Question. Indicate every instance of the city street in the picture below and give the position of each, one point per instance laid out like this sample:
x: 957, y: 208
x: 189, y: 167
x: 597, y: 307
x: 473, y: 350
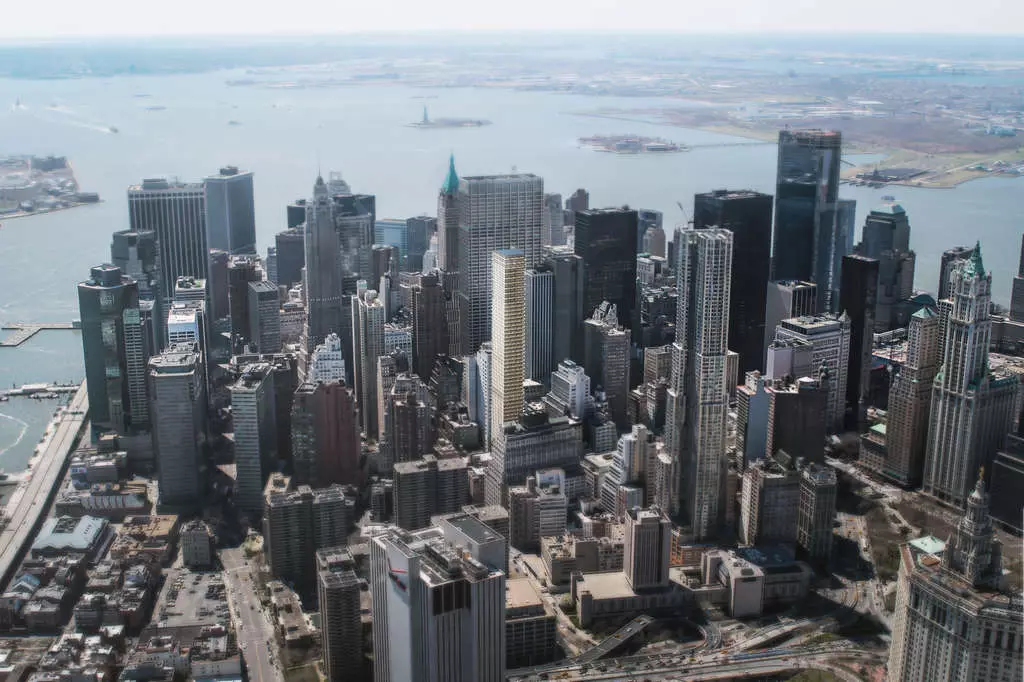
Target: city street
x: 252, y: 624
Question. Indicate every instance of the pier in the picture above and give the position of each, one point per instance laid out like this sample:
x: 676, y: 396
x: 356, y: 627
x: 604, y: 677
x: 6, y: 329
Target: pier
x: 28, y: 505
x: 23, y: 331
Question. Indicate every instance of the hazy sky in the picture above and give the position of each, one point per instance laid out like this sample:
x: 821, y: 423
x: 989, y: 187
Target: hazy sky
x: 59, y: 18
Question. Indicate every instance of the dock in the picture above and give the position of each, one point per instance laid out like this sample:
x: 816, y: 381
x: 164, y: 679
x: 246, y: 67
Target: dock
x: 28, y: 505
x: 23, y: 331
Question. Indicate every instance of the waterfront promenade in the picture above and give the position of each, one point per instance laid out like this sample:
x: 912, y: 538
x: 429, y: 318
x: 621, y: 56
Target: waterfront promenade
x: 28, y: 505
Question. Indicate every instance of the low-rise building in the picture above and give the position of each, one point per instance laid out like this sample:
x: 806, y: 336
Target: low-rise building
x: 197, y: 550
x: 566, y: 554
x: 530, y: 626
x: 62, y: 535
x: 754, y: 580
x: 155, y: 536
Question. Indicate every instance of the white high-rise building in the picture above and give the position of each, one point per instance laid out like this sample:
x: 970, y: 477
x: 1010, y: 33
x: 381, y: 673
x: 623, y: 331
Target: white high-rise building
x: 495, y: 212
x: 570, y: 391
x: 698, y: 401
x: 177, y: 394
x: 829, y: 336
x: 327, y: 362
x: 508, y: 328
x: 628, y: 466
x: 439, y: 603
x: 367, y: 346
x: 540, y: 292
x: 972, y: 409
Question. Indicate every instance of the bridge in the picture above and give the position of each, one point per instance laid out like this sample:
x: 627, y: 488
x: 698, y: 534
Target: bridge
x: 615, y: 640
x: 23, y: 331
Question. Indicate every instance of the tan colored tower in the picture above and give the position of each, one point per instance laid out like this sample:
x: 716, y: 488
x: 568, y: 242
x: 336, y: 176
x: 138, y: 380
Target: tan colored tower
x: 508, y: 337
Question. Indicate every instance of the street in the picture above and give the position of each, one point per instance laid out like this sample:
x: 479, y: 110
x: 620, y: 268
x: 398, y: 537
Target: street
x: 252, y: 625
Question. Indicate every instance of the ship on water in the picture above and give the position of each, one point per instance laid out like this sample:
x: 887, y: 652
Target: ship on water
x: 631, y: 144
x: 427, y: 122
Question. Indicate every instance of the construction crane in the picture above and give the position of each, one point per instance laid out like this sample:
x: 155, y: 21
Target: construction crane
x: 686, y: 215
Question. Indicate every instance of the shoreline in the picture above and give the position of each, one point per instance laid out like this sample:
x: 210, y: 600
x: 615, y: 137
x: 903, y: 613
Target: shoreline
x: 44, y: 211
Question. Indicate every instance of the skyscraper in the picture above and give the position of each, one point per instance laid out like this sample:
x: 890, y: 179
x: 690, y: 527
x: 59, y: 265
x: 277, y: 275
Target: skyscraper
x: 264, y: 317
x: 787, y: 299
x: 418, y: 232
x: 508, y: 331
x: 910, y: 396
x: 291, y: 255
x: 553, y: 231
x: 495, y: 212
x: 253, y: 412
x: 568, y: 306
x: 606, y: 241
x: 241, y: 271
x: 949, y: 259
x: 341, y: 628
x: 429, y: 328
x: 857, y: 298
x: 829, y: 338
x: 807, y: 191
x: 606, y: 360
x: 646, y: 551
x: 176, y: 214
x: 409, y: 432
x: 230, y: 211
x: 972, y: 410
x: 114, y: 347
x: 1017, y: 294
x: 367, y: 345
x: 698, y: 401
x: 771, y: 497
x: 886, y: 238
x: 535, y: 441
x: 177, y: 394
x: 540, y: 321
x: 439, y: 614
x: 817, y: 512
x: 748, y: 215
x: 448, y: 221
x: 136, y: 254
x: 325, y: 435
x: 428, y: 486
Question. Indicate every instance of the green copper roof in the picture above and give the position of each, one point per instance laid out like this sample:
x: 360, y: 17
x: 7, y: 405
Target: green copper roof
x: 975, y: 266
x: 925, y: 312
x: 451, y: 182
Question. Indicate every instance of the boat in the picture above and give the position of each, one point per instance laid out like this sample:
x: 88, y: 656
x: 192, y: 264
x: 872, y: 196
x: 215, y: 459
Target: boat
x: 234, y: 123
x: 113, y: 129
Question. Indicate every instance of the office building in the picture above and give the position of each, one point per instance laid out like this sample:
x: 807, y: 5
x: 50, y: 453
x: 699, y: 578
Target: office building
x: 910, y: 396
x: 698, y: 399
x: 507, y: 338
x: 271, y: 264
x: 297, y: 521
x: 857, y: 299
x: 439, y: 612
x: 217, y: 282
x: 477, y: 390
x: 325, y: 435
x: 535, y: 441
x: 114, y: 348
x: 388, y: 368
x: 570, y: 392
x: 177, y: 399
x: 264, y: 317
x: 798, y: 423
x: 327, y: 362
x: 606, y: 355
x: 429, y: 486
x: 530, y: 624
x: 972, y: 410
x: 136, y: 254
x: 886, y: 238
x: 949, y: 259
x: 646, y: 219
x: 176, y: 214
x: 448, y: 222
x: 748, y: 215
x: 577, y: 201
x: 498, y: 212
x: 536, y: 510
x: 829, y: 338
x: 291, y: 254
x: 391, y: 232
x: 1017, y: 293
x: 952, y: 618
x: 787, y: 299
x: 646, y: 560
x: 408, y: 422
x: 253, y: 412
x: 242, y: 271
x: 540, y: 323
x: 429, y: 328
x: 339, y: 597
x: 367, y: 345
x: 568, y: 306
x: 230, y: 211
x: 606, y: 241
x: 1007, y: 482
x: 771, y: 497
x: 816, y: 513
x: 418, y: 232
x: 807, y: 192
x: 553, y: 221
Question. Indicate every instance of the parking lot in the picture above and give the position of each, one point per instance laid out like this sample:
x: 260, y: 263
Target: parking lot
x: 192, y: 598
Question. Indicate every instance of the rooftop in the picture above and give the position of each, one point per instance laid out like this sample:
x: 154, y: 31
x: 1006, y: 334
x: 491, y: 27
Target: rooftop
x: 521, y: 593
x: 473, y: 528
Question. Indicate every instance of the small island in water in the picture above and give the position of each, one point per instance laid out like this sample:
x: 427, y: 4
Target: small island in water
x: 35, y: 184
x: 427, y: 122
x: 631, y: 144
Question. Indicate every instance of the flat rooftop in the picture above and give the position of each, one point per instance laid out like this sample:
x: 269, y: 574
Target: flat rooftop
x: 521, y: 593
x: 474, y: 529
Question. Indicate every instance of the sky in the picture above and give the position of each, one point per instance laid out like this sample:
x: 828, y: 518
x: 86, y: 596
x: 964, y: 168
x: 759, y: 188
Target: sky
x: 35, y: 19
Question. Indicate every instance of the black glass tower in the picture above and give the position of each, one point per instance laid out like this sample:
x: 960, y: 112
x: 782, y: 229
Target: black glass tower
x: 748, y: 215
x: 605, y: 239
x: 857, y: 297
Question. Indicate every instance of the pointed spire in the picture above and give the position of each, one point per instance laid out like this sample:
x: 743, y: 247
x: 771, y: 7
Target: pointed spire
x: 975, y: 264
x: 451, y: 181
